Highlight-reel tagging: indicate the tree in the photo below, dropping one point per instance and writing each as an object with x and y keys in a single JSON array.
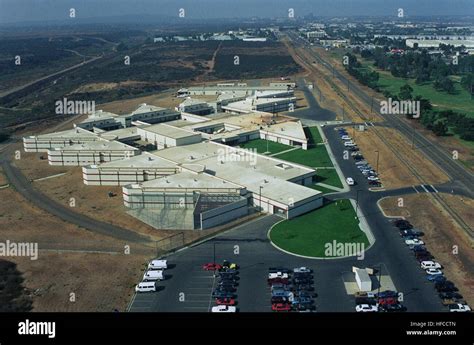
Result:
[
  {"x": 405, "y": 92},
  {"x": 440, "y": 128}
]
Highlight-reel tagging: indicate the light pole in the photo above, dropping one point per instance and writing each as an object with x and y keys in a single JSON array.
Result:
[{"x": 261, "y": 199}]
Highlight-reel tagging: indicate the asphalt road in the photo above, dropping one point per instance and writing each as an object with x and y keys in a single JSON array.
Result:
[{"x": 314, "y": 110}]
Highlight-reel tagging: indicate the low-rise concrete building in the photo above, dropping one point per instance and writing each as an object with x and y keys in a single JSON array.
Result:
[
  {"x": 164, "y": 135},
  {"x": 45, "y": 142}
]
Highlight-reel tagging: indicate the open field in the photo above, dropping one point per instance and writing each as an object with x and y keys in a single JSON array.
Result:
[
  {"x": 393, "y": 172},
  {"x": 76, "y": 269},
  {"x": 3, "y": 179},
  {"x": 308, "y": 233},
  {"x": 441, "y": 234},
  {"x": 460, "y": 101},
  {"x": 313, "y": 157}
]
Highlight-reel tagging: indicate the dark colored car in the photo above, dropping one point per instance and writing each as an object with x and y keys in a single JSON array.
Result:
[
  {"x": 411, "y": 232},
  {"x": 303, "y": 306},
  {"x": 304, "y": 287},
  {"x": 387, "y": 294},
  {"x": 450, "y": 295},
  {"x": 279, "y": 299},
  {"x": 365, "y": 300},
  {"x": 447, "y": 288},
  {"x": 303, "y": 293},
  {"x": 387, "y": 301},
  {"x": 400, "y": 222},
  {"x": 222, "y": 294},
  {"x": 278, "y": 281},
  {"x": 304, "y": 280},
  {"x": 392, "y": 308},
  {"x": 303, "y": 275}
]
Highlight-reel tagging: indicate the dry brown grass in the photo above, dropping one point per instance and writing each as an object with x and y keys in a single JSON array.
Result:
[
  {"x": 101, "y": 282},
  {"x": 441, "y": 234},
  {"x": 394, "y": 172}
]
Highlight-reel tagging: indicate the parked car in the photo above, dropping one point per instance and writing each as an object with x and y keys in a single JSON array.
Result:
[
  {"x": 436, "y": 278},
  {"x": 366, "y": 300},
  {"x": 387, "y": 300},
  {"x": 158, "y": 264},
  {"x": 430, "y": 264},
  {"x": 449, "y": 301},
  {"x": 211, "y": 267},
  {"x": 455, "y": 295},
  {"x": 349, "y": 144},
  {"x": 304, "y": 307},
  {"x": 445, "y": 285},
  {"x": 350, "y": 181},
  {"x": 375, "y": 183},
  {"x": 279, "y": 299},
  {"x": 460, "y": 308},
  {"x": 411, "y": 232},
  {"x": 447, "y": 289},
  {"x": 281, "y": 307},
  {"x": 392, "y": 308},
  {"x": 282, "y": 293},
  {"x": 364, "y": 294},
  {"x": 372, "y": 178},
  {"x": 230, "y": 265},
  {"x": 302, "y": 300},
  {"x": 146, "y": 287},
  {"x": 433, "y": 271},
  {"x": 346, "y": 137},
  {"x": 278, "y": 275},
  {"x": 400, "y": 222},
  {"x": 414, "y": 241},
  {"x": 151, "y": 275},
  {"x": 224, "y": 309},
  {"x": 225, "y": 301},
  {"x": 387, "y": 293},
  {"x": 302, "y": 280},
  {"x": 364, "y": 308},
  {"x": 223, "y": 294},
  {"x": 302, "y": 270},
  {"x": 284, "y": 281},
  {"x": 225, "y": 288}
]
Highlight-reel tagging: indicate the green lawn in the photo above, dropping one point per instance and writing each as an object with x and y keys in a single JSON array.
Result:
[
  {"x": 322, "y": 189},
  {"x": 313, "y": 157},
  {"x": 309, "y": 233},
  {"x": 313, "y": 135},
  {"x": 460, "y": 101},
  {"x": 261, "y": 146},
  {"x": 328, "y": 176}
]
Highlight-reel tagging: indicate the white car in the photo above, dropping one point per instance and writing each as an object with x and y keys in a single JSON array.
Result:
[
  {"x": 346, "y": 137},
  {"x": 372, "y": 178},
  {"x": 350, "y": 181},
  {"x": 429, "y": 264},
  {"x": 278, "y": 275},
  {"x": 414, "y": 242},
  {"x": 349, "y": 144},
  {"x": 433, "y": 271},
  {"x": 224, "y": 309},
  {"x": 366, "y": 308},
  {"x": 459, "y": 308},
  {"x": 302, "y": 270}
]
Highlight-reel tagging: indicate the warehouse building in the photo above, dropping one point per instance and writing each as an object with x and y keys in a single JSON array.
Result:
[
  {"x": 164, "y": 135},
  {"x": 100, "y": 119},
  {"x": 195, "y": 106},
  {"x": 277, "y": 186},
  {"x": 136, "y": 169},
  {"x": 93, "y": 152},
  {"x": 271, "y": 105},
  {"x": 45, "y": 142},
  {"x": 186, "y": 200},
  {"x": 149, "y": 114}
]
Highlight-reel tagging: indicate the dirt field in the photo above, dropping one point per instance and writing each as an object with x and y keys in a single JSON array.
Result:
[
  {"x": 3, "y": 179},
  {"x": 441, "y": 234},
  {"x": 54, "y": 274},
  {"x": 393, "y": 172}
]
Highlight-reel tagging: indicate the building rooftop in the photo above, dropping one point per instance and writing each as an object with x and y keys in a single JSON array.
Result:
[
  {"x": 120, "y": 134},
  {"x": 142, "y": 161},
  {"x": 146, "y": 108},
  {"x": 169, "y": 131},
  {"x": 97, "y": 146},
  {"x": 245, "y": 168},
  {"x": 72, "y": 134}
]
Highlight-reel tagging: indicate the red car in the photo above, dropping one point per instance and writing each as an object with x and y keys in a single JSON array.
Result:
[
  {"x": 281, "y": 307},
  {"x": 211, "y": 267},
  {"x": 225, "y": 301},
  {"x": 388, "y": 301}
]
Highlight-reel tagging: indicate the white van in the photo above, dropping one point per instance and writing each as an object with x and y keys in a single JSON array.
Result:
[
  {"x": 153, "y": 275},
  {"x": 158, "y": 265},
  {"x": 146, "y": 287}
]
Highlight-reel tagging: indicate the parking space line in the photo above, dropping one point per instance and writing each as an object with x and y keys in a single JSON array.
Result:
[
  {"x": 426, "y": 190},
  {"x": 436, "y": 191},
  {"x": 416, "y": 190}
]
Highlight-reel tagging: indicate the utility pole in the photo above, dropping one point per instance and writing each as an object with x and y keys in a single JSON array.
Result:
[{"x": 261, "y": 199}]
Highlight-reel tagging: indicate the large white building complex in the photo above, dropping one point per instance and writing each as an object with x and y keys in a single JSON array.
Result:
[{"x": 185, "y": 171}]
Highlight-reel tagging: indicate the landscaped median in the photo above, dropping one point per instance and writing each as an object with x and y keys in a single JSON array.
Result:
[{"x": 327, "y": 232}]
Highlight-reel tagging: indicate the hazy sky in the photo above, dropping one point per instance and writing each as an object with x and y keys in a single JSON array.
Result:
[{"x": 46, "y": 10}]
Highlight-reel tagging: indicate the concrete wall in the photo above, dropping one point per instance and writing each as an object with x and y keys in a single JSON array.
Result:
[
  {"x": 120, "y": 177},
  {"x": 78, "y": 158},
  {"x": 224, "y": 214},
  {"x": 305, "y": 207},
  {"x": 34, "y": 144}
]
